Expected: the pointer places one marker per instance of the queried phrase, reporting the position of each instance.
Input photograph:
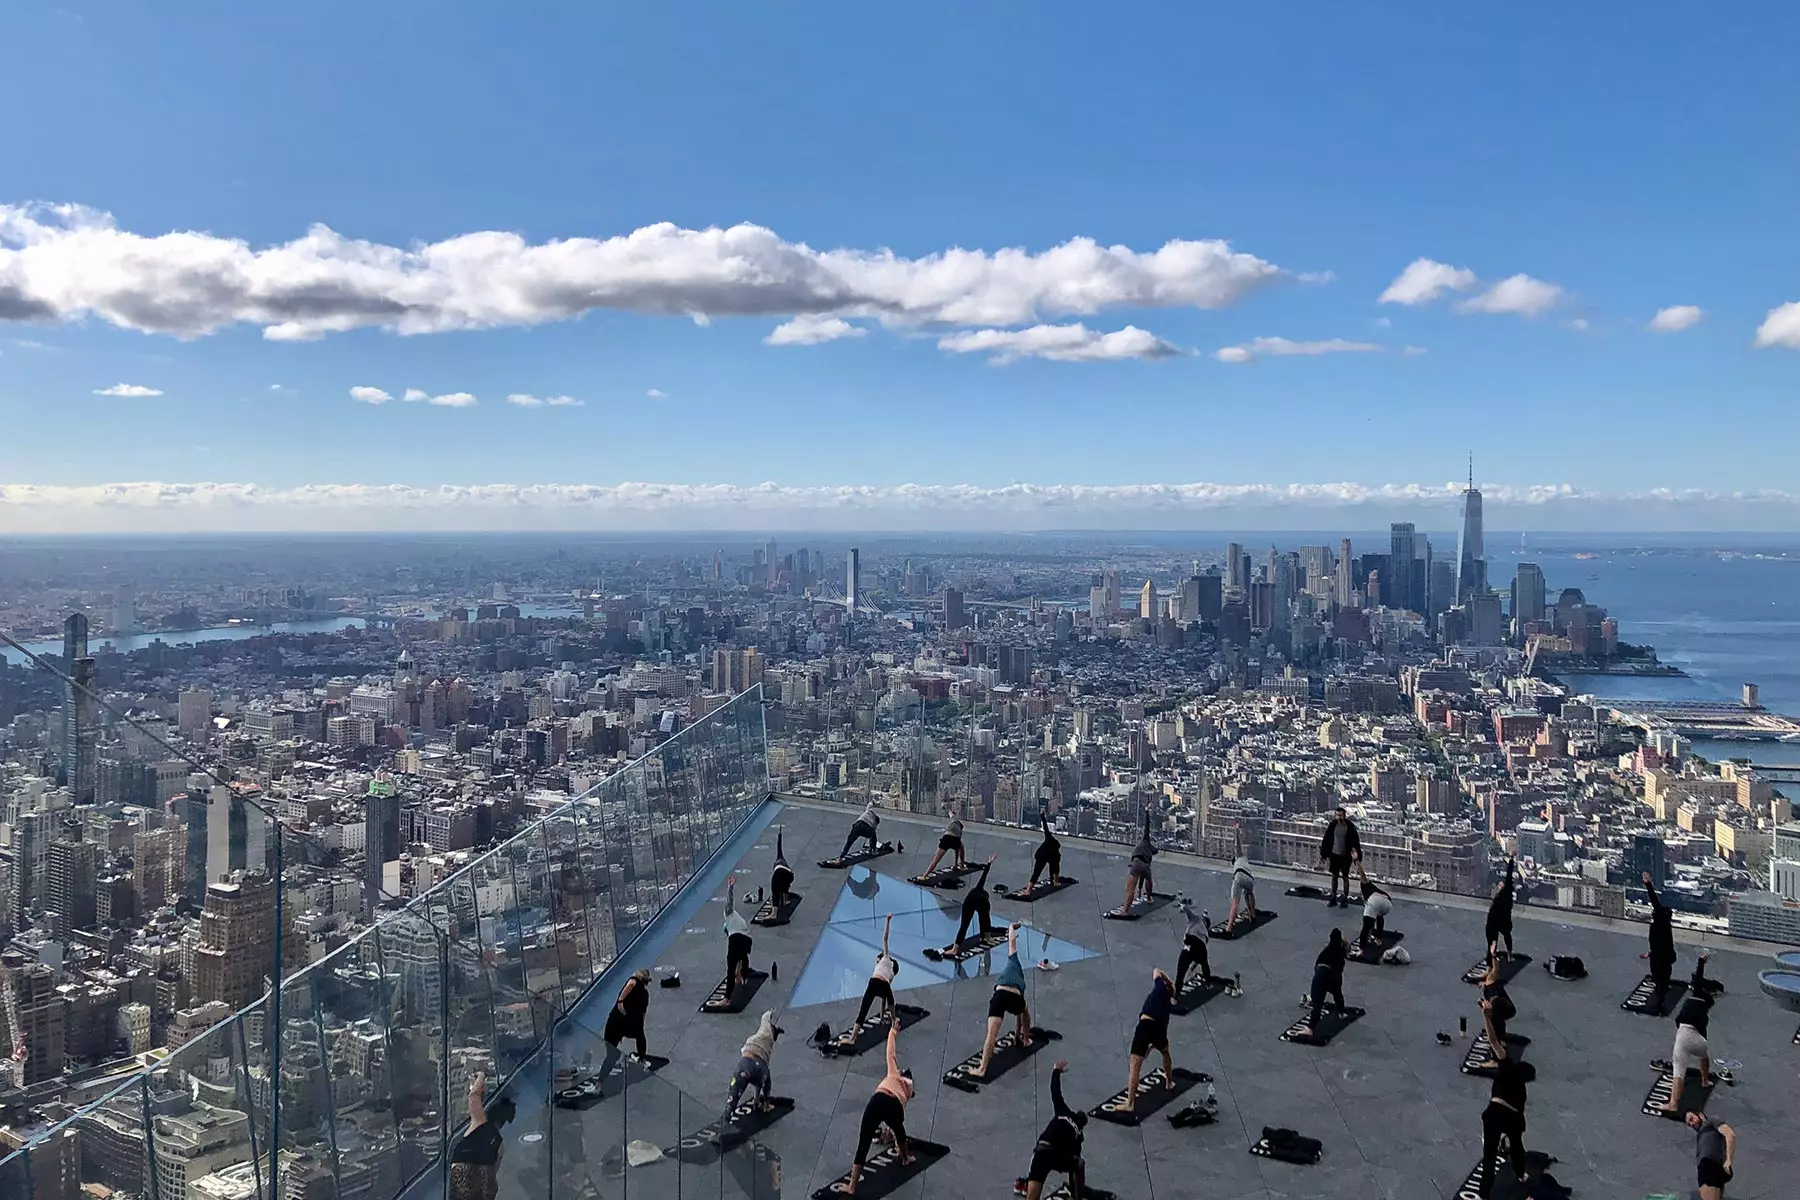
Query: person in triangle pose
(781, 878)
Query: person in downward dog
(753, 1067)
(949, 842)
(864, 827)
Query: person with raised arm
(881, 980)
(1193, 944)
(781, 877)
(865, 826)
(1152, 1033)
(949, 842)
(1139, 882)
(1504, 1117)
(1243, 885)
(1059, 1145)
(1008, 1000)
(1048, 855)
(1500, 913)
(977, 904)
(737, 938)
(886, 1109)
(1662, 942)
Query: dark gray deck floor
(1397, 1118)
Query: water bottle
(1212, 1096)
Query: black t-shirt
(480, 1146)
(1510, 1078)
(1695, 1012)
(635, 1002)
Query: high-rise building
(77, 711)
(1471, 559)
(237, 937)
(69, 882)
(1147, 601)
(1235, 580)
(852, 580)
(1528, 593)
(953, 609)
(1109, 582)
(33, 1001)
(1403, 561)
(1646, 853)
(124, 610)
(1346, 575)
(194, 714)
(1211, 595)
(381, 839)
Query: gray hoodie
(869, 817)
(1199, 924)
(762, 1042)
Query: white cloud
(1414, 351)
(134, 391)
(1518, 295)
(1425, 280)
(1280, 347)
(67, 262)
(1676, 318)
(1579, 324)
(656, 394)
(190, 506)
(415, 395)
(811, 330)
(276, 387)
(522, 400)
(1059, 343)
(452, 400)
(369, 395)
(1781, 327)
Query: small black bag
(1565, 966)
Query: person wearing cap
(626, 1020)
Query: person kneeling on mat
(1662, 942)
(886, 1109)
(1499, 1007)
(1008, 1000)
(1691, 1050)
(1504, 1116)
(1327, 980)
(1340, 846)
(626, 1020)
(1715, 1144)
(1152, 1033)
(753, 1067)
(1193, 944)
(881, 981)
(1243, 887)
(781, 878)
(1500, 913)
(737, 938)
(1138, 882)
(865, 826)
(1048, 854)
(949, 842)
(1059, 1146)
(1377, 904)
(976, 904)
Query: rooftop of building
(1397, 1118)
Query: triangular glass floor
(838, 968)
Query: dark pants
(1325, 981)
(1048, 856)
(859, 830)
(1662, 966)
(1340, 871)
(882, 1109)
(781, 882)
(1193, 950)
(618, 1028)
(751, 1073)
(975, 902)
(878, 989)
(737, 956)
(1498, 1121)
(1499, 929)
(1372, 930)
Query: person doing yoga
(1340, 846)
(626, 1020)
(1498, 1008)
(1691, 1051)
(977, 903)
(1500, 913)
(753, 1067)
(781, 878)
(1008, 1000)
(1662, 942)
(1243, 886)
(949, 842)
(1377, 904)
(737, 938)
(1152, 1033)
(865, 826)
(1327, 980)
(886, 1109)
(1048, 855)
(1193, 944)
(1504, 1116)
(1059, 1146)
(1138, 882)
(881, 980)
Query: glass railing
(352, 1078)
(930, 758)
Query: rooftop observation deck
(1397, 1118)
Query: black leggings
(1499, 1121)
(1340, 869)
(1193, 950)
(1373, 927)
(737, 954)
(883, 1108)
(857, 831)
(1325, 981)
(781, 882)
(975, 902)
(1498, 930)
(1049, 854)
(878, 989)
(1662, 967)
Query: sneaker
(1045, 964)
(1444, 1039)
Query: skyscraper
(77, 712)
(381, 839)
(953, 609)
(1234, 568)
(1147, 601)
(1346, 574)
(1402, 557)
(852, 579)
(1528, 593)
(1471, 560)
(237, 932)
(124, 610)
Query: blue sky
(1635, 157)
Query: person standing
(949, 842)
(1152, 1033)
(753, 1069)
(1327, 980)
(737, 939)
(1048, 855)
(1337, 849)
(1503, 1120)
(866, 825)
(1715, 1144)
(1662, 943)
(1059, 1146)
(1691, 1050)
(881, 980)
(1193, 944)
(1500, 914)
(626, 1020)
(1008, 1000)
(886, 1109)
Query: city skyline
(1303, 287)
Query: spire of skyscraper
(1471, 560)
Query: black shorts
(1713, 1173)
(620, 1026)
(1006, 1003)
(1046, 1159)
(949, 842)
(1340, 864)
(1148, 1036)
(737, 946)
